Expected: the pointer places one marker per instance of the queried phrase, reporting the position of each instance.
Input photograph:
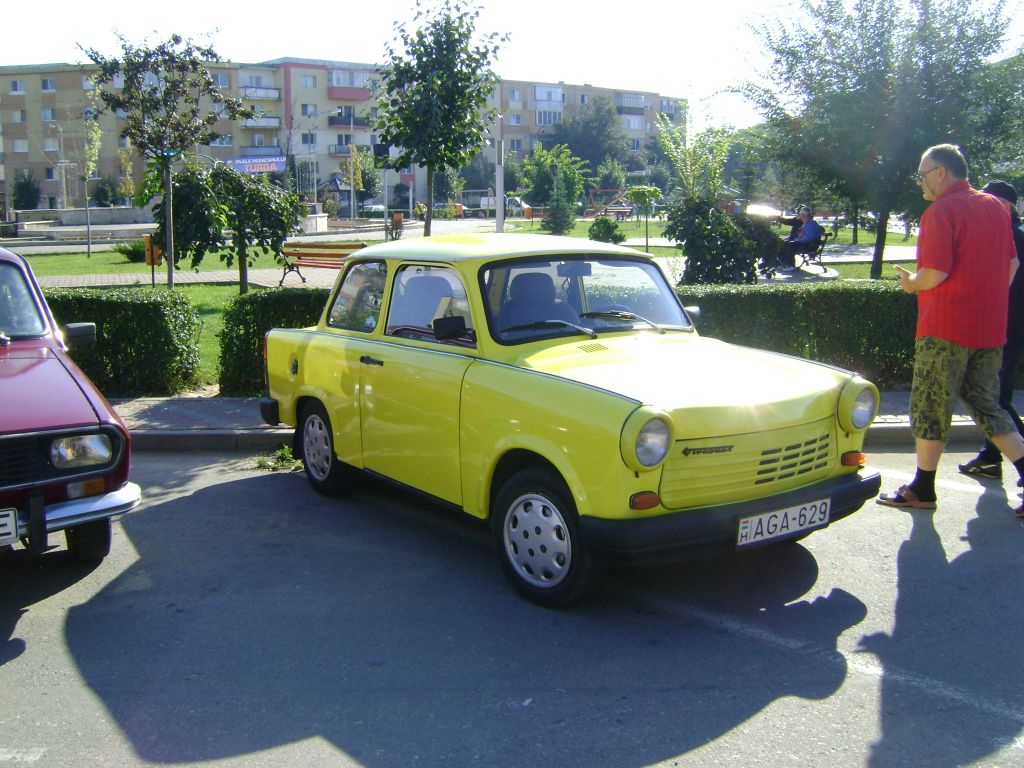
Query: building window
(309, 139)
(51, 174)
(633, 122)
(19, 115)
(634, 145)
(255, 81)
(222, 141)
(221, 80)
(90, 114)
(87, 83)
(309, 110)
(17, 86)
(347, 78)
(548, 117)
(122, 143)
(49, 115)
(308, 81)
(258, 140)
(515, 119)
(548, 93)
(515, 145)
(584, 98)
(47, 84)
(344, 139)
(514, 95)
(51, 145)
(19, 145)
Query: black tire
(537, 534)
(326, 474)
(89, 542)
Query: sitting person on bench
(806, 240)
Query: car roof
(489, 246)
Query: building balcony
(262, 122)
(630, 110)
(338, 121)
(254, 151)
(348, 93)
(336, 150)
(264, 94)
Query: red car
(64, 452)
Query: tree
(698, 161)
(26, 191)
(887, 80)
(561, 213)
(161, 100)
(370, 182)
(594, 133)
(611, 174)
(448, 182)
(434, 104)
(212, 200)
(644, 197)
(542, 166)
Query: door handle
(367, 360)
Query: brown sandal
(904, 497)
(1019, 514)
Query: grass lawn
(112, 262)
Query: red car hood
(37, 391)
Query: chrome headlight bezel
(646, 439)
(858, 405)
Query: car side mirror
(693, 313)
(79, 333)
(447, 328)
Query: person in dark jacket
(988, 462)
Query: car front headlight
(858, 405)
(646, 439)
(78, 451)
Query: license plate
(783, 522)
(8, 526)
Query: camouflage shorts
(944, 371)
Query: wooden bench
(318, 255)
(814, 257)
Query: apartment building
(313, 110)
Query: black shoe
(979, 467)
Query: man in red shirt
(965, 261)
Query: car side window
(430, 303)
(19, 315)
(360, 296)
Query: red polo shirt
(966, 234)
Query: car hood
(723, 389)
(39, 392)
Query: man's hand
(922, 280)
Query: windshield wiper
(549, 323)
(618, 314)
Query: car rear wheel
(326, 474)
(536, 531)
(89, 541)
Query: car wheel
(89, 541)
(537, 533)
(326, 474)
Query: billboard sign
(257, 164)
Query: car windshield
(19, 314)
(579, 295)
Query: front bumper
(35, 522)
(675, 535)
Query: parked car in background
(557, 388)
(64, 453)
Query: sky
(676, 48)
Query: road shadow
(951, 693)
(260, 614)
(30, 578)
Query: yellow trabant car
(557, 388)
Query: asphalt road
(243, 620)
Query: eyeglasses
(920, 176)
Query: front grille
(24, 460)
(739, 467)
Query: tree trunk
(855, 205)
(428, 217)
(876, 259)
(243, 270)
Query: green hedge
(146, 341)
(865, 326)
(247, 318)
